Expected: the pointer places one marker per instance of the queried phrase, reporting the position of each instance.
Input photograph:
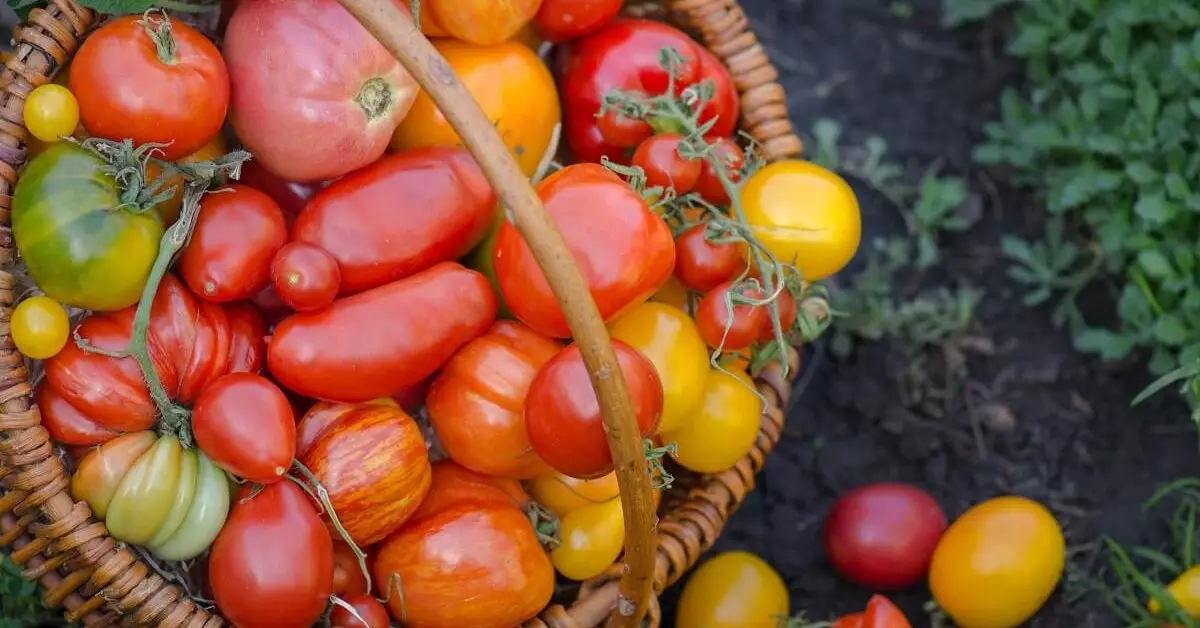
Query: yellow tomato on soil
(480, 22)
(724, 427)
(1186, 591)
(998, 563)
(733, 590)
(563, 494)
(510, 83)
(40, 327)
(169, 209)
(805, 215)
(51, 112)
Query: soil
(1034, 418)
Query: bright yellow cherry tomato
(510, 83)
(40, 327)
(998, 563)
(724, 427)
(592, 538)
(51, 112)
(1186, 591)
(805, 215)
(670, 340)
(733, 590)
(563, 494)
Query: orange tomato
(562, 494)
(169, 209)
(510, 83)
(480, 22)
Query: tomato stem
(660, 478)
(158, 27)
(322, 496)
(375, 97)
(545, 525)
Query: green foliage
(956, 12)
(20, 603)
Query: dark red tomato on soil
(368, 613)
(236, 236)
(880, 613)
(882, 536)
(272, 563)
(731, 328)
(305, 276)
(702, 265)
(659, 157)
(623, 249)
(709, 184)
(150, 79)
(291, 196)
(245, 424)
(454, 484)
(563, 417)
(560, 20)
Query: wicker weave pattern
(98, 581)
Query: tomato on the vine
(592, 538)
(883, 536)
(786, 304)
(703, 265)
(39, 327)
(660, 158)
(246, 424)
(733, 590)
(560, 20)
(51, 112)
(731, 326)
(235, 238)
(305, 276)
(562, 494)
(732, 158)
(620, 131)
(724, 426)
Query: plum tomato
(702, 265)
(731, 326)
(305, 276)
(40, 327)
(733, 590)
(245, 423)
(563, 416)
(659, 157)
(882, 536)
(709, 184)
(237, 234)
(560, 20)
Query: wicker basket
(99, 581)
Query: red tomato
(151, 80)
(563, 415)
(623, 249)
(713, 317)
(658, 156)
(373, 462)
(272, 563)
(702, 265)
(245, 424)
(883, 535)
(400, 215)
(623, 55)
(305, 276)
(371, 614)
(348, 577)
(247, 353)
(787, 317)
(237, 234)
(725, 103)
(412, 398)
(476, 403)
(880, 613)
(560, 20)
(621, 131)
(291, 196)
(309, 80)
(709, 184)
(372, 344)
(68, 425)
(453, 485)
(470, 565)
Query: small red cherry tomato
(709, 184)
(730, 330)
(658, 156)
(702, 265)
(371, 614)
(563, 417)
(245, 424)
(882, 536)
(348, 576)
(237, 234)
(305, 276)
(787, 316)
(621, 131)
(560, 20)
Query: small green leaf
(1152, 207)
(1102, 342)
(1176, 186)
(1146, 98)
(1141, 172)
(1169, 330)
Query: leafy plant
(20, 604)
(119, 7)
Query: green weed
(20, 600)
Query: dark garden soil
(1033, 418)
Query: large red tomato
(272, 563)
(469, 565)
(453, 485)
(245, 424)
(882, 536)
(623, 249)
(237, 234)
(151, 80)
(314, 95)
(476, 403)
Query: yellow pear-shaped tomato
(998, 563)
(592, 538)
(1186, 591)
(724, 425)
(670, 340)
(733, 590)
(510, 83)
(563, 494)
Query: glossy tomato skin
(882, 536)
(79, 250)
(469, 565)
(623, 249)
(236, 236)
(724, 427)
(733, 590)
(245, 424)
(413, 328)
(447, 209)
(1185, 590)
(39, 327)
(305, 276)
(730, 328)
(880, 613)
(247, 352)
(561, 20)
(623, 55)
(703, 265)
(348, 576)
(592, 538)
(272, 564)
(788, 311)
(562, 494)
(732, 159)
(563, 417)
(291, 196)
(476, 403)
(373, 462)
(370, 614)
(998, 563)
(659, 157)
(354, 92)
(453, 484)
(478, 22)
(125, 90)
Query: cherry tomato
(998, 563)
(51, 112)
(787, 316)
(621, 131)
(40, 327)
(348, 577)
(1185, 590)
(150, 79)
(245, 423)
(272, 564)
(733, 590)
(305, 276)
(730, 333)
(368, 613)
(562, 494)
(724, 427)
(709, 184)
(659, 157)
(592, 539)
(560, 20)
(623, 249)
(882, 536)
(818, 234)
(454, 484)
(237, 235)
(702, 265)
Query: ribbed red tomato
(237, 234)
(305, 276)
(245, 424)
(882, 536)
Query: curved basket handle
(397, 33)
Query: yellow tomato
(998, 563)
(169, 209)
(592, 538)
(670, 340)
(51, 112)
(725, 424)
(480, 22)
(563, 494)
(733, 590)
(805, 215)
(1186, 591)
(674, 293)
(510, 83)
(40, 327)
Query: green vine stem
(309, 479)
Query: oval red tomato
(453, 484)
(563, 416)
(883, 535)
(560, 20)
(702, 265)
(305, 276)
(236, 236)
(245, 424)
